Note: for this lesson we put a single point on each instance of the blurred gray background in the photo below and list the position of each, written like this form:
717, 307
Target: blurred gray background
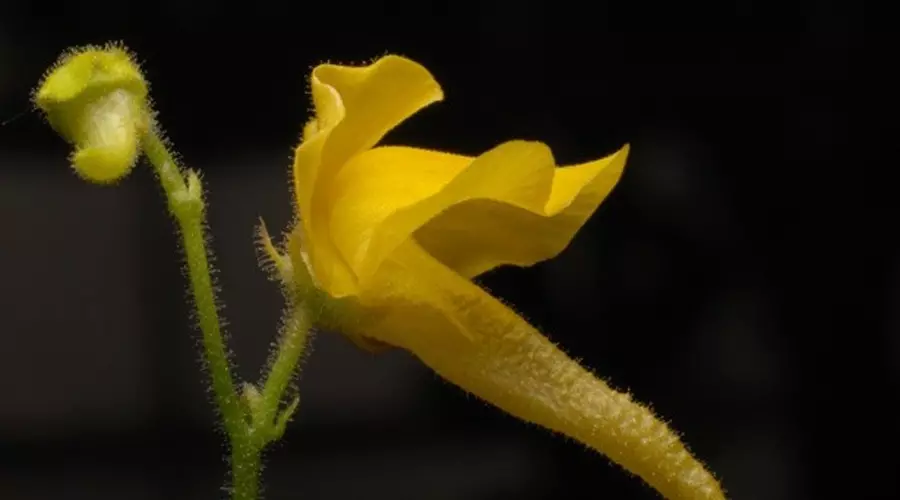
743, 277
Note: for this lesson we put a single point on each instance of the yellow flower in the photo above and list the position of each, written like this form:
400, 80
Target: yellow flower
399, 233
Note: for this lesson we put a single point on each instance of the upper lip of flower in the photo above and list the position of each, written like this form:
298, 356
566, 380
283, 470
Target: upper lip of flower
354, 108
357, 203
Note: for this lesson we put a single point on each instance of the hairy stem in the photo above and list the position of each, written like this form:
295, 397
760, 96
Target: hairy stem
290, 349
185, 201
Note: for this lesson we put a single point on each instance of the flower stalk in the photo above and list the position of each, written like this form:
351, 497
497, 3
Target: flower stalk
96, 98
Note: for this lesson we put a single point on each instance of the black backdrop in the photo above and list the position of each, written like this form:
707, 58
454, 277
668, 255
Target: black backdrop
743, 276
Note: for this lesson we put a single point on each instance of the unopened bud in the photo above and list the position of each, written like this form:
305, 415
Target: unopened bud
96, 98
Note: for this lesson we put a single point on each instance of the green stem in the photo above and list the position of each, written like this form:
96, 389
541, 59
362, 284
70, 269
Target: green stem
186, 204
290, 349
245, 469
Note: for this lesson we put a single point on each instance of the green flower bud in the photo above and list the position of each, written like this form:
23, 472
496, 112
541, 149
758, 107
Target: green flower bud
96, 99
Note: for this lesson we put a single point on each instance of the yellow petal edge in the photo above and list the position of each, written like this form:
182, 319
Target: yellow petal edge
398, 232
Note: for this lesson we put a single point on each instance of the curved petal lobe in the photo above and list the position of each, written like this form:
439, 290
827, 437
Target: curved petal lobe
510, 205
376, 184
479, 235
406, 188
355, 108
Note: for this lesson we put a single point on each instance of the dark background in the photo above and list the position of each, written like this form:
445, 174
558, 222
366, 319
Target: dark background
743, 277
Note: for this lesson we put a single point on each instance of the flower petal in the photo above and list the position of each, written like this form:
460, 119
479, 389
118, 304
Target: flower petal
473, 340
508, 206
479, 235
376, 184
355, 108
384, 195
